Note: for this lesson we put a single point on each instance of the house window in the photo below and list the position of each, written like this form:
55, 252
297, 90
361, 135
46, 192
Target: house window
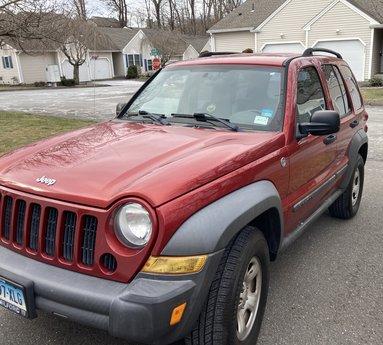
7, 62
133, 60
150, 65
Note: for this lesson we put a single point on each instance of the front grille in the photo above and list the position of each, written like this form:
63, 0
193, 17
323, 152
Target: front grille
69, 232
7, 217
50, 235
89, 242
47, 232
35, 225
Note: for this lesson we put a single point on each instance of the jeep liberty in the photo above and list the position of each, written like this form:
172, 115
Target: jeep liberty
160, 224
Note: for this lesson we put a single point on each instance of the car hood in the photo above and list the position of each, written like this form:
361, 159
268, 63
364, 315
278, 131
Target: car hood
98, 165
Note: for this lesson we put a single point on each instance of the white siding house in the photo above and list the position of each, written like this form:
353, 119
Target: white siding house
351, 27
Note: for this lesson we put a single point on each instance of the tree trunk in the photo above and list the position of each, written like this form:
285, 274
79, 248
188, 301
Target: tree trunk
76, 74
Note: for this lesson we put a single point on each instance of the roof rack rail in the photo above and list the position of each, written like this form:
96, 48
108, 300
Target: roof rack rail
310, 51
207, 54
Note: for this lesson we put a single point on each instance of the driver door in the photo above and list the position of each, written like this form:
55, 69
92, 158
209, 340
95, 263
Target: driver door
313, 158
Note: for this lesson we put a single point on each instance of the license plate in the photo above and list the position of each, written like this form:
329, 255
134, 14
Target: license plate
13, 297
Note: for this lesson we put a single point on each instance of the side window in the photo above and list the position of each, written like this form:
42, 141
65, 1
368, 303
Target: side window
338, 96
310, 95
353, 87
343, 88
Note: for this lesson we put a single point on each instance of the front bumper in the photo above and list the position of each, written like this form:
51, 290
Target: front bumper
138, 312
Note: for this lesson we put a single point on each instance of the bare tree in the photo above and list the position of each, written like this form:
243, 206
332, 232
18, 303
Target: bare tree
157, 8
80, 7
121, 7
169, 44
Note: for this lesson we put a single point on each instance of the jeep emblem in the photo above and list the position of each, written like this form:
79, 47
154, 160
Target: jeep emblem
46, 180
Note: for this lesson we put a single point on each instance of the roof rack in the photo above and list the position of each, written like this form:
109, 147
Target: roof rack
310, 51
207, 54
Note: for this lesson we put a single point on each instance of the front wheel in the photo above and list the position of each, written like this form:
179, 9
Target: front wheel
233, 312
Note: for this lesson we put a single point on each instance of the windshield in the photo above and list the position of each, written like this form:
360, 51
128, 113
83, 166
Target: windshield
249, 96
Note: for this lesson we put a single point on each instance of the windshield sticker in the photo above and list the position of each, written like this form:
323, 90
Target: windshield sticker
261, 120
267, 113
211, 108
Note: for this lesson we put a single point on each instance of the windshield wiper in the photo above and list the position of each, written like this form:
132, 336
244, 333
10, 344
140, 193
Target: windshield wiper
205, 117
158, 118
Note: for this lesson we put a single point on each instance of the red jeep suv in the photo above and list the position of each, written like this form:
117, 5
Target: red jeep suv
160, 224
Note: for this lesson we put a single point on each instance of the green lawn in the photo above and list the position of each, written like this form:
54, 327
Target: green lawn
373, 96
18, 129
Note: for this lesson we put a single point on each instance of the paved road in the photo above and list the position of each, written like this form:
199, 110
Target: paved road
86, 103
326, 289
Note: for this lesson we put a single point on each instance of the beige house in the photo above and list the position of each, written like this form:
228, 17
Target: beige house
352, 27
30, 63
136, 46
19, 67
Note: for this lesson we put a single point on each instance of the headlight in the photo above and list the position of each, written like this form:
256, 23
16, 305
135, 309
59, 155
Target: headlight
133, 225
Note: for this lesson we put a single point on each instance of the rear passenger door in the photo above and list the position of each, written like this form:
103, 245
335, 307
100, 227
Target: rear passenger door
351, 122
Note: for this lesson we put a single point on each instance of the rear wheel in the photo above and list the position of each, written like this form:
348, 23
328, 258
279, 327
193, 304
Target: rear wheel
233, 312
347, 205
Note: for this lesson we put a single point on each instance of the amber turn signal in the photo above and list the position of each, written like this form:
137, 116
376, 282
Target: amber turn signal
177, 314
175, 264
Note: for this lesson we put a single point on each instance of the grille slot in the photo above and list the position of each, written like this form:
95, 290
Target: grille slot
21, 208
34, 227
89, 242
7, 217
69, 232
109, 262
50, 235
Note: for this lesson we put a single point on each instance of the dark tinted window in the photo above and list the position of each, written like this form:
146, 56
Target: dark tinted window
310, 97
336, 89
343, 88
353, 87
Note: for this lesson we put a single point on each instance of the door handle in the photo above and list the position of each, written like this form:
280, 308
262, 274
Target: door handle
354, 124
330, 139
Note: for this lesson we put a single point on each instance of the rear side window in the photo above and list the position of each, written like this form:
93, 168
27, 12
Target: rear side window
310, 95
337, 90
353, 87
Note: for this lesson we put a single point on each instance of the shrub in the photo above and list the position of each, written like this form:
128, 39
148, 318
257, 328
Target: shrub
376, 81
132, 72
39, 84
248, 51
67, 82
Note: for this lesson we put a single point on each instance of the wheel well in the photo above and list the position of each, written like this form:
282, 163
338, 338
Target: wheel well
269, 224
363, 151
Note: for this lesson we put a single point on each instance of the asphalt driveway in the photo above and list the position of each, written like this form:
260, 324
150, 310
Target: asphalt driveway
85, 103
327, 288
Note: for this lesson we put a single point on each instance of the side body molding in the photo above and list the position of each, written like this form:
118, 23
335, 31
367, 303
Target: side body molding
211, 229
359, 139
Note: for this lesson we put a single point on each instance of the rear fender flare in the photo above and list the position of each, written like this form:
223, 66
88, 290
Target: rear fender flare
358, 140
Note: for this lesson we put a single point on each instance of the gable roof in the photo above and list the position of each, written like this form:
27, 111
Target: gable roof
250, 14
253, 13
197, 42
119, 36
373, 8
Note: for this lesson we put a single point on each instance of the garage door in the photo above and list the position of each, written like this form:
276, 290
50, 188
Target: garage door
353, 52
100, 68
68, 71
283, 48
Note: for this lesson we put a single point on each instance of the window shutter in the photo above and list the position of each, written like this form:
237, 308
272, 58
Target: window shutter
146, 65
3, 59
126, 60
141, 62
10, 62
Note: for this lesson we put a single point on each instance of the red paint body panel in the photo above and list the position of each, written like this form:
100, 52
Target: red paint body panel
172, 170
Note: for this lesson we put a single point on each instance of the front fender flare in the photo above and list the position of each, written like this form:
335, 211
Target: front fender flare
212, 228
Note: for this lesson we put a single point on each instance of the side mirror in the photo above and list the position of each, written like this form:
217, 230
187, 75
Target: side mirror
322, 122
120, 107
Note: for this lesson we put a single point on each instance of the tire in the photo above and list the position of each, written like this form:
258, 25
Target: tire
217, 324
347, 205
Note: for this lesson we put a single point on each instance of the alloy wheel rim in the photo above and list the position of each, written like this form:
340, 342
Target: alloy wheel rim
249, 299
355, 188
